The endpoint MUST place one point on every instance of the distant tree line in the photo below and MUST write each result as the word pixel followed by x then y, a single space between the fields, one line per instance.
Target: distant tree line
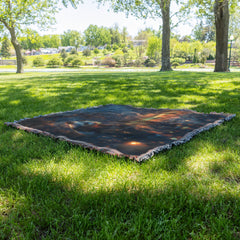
pixel 17 15
pixel 196 48
pixel 93 36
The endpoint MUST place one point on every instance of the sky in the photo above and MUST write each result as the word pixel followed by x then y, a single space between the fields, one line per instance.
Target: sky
pixel 88 13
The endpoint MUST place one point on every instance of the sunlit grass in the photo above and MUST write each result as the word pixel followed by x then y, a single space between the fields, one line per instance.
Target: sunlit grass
pixel 52 190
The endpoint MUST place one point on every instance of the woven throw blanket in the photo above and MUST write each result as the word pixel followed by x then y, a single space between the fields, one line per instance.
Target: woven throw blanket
pixel 122 130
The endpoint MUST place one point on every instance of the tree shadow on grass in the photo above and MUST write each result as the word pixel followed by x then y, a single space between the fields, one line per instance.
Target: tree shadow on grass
pixel 110 198
pixel 68 91
pixel 39 95
pixel 43 205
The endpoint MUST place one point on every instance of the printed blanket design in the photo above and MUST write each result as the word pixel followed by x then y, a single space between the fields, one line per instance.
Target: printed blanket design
pixel 122 130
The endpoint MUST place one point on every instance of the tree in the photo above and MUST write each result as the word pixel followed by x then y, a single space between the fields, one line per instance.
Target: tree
pixel 15 15
pixel 221 10
pixel 72 38
pixel 5 49
pixel 154 48
pixel 186 38
pixel 144 9
pixel 124 35
pixel 205 32
pixel 31 41
pixel 63 54
pixel 165 9
pixel 115 35
pixel 234 25
pixel 51 41
pixel 144 35
pixel 97 36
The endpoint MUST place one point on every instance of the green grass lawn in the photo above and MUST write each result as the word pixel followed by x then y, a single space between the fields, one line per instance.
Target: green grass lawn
pixel 53 190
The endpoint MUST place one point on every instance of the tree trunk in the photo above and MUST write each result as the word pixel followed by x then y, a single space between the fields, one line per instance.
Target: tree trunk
pixel 221 12
pixel 17 48
pixel 165 8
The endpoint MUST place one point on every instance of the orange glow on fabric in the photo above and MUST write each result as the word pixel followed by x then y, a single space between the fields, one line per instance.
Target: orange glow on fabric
pixel 135 143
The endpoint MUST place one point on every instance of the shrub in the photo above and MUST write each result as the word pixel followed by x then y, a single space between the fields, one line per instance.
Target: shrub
pixel 38 62
pixel 153 48
pixel 150 62
pixel 24 60
pixel 74 51
pixel 195 59
pixel 73 61
pixel 203 59
pixel 211 57
pixel 236 54
pixel 122 45
pixel 138 62
pixel 54 62
pixel 195 56
pixel 63 54
pixel 119 60
pixel 125 50
pixel 86 52
pixel 126 59
pixel 76 62
pixel 175 64
pixel 180 54
pixel 96 50
pixel 105 52
pixel 109 61
pixel 115 46
pixel 97 62
pixel 118 52
pixel 131 46
pixel 130 63
pixel 178 60
pixel 109 48
pixel 68 60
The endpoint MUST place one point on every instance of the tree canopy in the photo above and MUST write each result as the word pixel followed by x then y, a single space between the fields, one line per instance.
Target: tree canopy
pixel 71 38
pixel 234 25
pixel 5 49
pixel 97 36
pixel 17 15
pixel 22 13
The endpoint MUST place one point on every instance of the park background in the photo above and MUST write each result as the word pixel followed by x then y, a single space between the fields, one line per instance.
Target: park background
pixel 94 36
